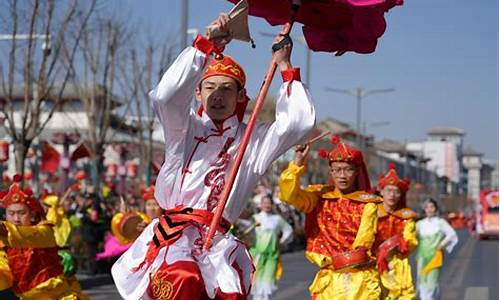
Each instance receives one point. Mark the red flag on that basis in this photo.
(50, 159)
(80, 152)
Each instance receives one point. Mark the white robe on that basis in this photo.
(192, 147)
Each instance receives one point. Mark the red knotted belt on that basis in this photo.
(171, 225)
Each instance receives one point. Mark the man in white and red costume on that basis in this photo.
(167, 261)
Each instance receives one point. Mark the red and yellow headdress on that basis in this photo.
(224, 65)
(345, 153)
(17, 195)
(392, 178)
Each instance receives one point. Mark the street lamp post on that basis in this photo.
(365, 131)
(184, 23)
(359, 94)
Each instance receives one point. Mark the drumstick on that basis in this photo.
(313, 140)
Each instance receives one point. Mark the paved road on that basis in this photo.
(469, 273)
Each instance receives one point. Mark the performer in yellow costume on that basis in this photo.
(29, 263)
(341, 223)
(396, 238)
(62, 233)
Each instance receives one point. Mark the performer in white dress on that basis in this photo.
(167, 261)
(271, 231)
(434, 234)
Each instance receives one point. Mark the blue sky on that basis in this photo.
(440, 56)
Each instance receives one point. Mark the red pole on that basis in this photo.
(243, 146)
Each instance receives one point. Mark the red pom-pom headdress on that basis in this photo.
(345, 153)
(392, 178)
(16, 195)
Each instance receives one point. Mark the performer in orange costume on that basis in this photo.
(341, 223)
(396, 238)
(29, 263)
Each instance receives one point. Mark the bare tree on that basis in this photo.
(146, 66)
(33, 82)
(103, 44)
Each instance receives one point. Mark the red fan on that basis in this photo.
(331, 25)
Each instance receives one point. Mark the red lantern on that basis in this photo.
(132, 170)
(80, 175)
(4, 151)
(112, 170)
(28, 175)
(75, 187)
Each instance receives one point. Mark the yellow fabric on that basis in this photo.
(410, 234)
(35, 236)
(6, 278)
(279, 269)
(359, 196)
(56, 215)
(76, 288)
(435, 262)
(397, 282)
(51, 200)
(54, 288)
(320, 260)
(291, 193)
(356, 285)
(367, 228)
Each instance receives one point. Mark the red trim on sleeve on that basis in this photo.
(291, 74)
(205, 45)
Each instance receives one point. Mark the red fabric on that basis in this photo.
(332, 226)
(331, 25)
(182, 280)
(80, 152)
(32, 266)
(395, 243)
(206, 46)
(50, 159)
(291, 74)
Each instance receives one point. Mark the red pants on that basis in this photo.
(182, 280)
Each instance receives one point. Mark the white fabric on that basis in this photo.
(275, 223)
(172, 102)
(263, 291)
(436, 225)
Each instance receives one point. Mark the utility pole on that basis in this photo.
(184, 23)
(359, 93)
